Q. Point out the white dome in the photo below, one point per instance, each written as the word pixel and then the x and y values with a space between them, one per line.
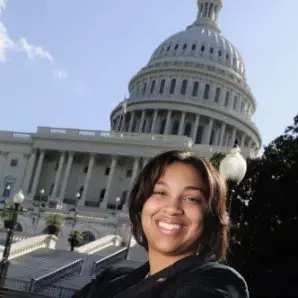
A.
pixel 202 43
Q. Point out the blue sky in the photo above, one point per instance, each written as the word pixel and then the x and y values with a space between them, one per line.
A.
pixel 67 63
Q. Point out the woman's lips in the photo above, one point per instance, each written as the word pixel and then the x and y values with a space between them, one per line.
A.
pixel 167 228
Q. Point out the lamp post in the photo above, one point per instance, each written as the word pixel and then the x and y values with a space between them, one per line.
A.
pixel 233 168
pixel 117 204
pixel 74 211
pixel 38 211
pixel 17 199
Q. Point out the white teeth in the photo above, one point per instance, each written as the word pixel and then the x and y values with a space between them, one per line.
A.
pixel 168 226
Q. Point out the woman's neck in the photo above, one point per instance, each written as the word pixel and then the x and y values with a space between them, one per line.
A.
pixel 158 261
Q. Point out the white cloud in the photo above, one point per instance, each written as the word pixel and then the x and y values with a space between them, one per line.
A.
pixel 2 5
pixel 33 51
pixel 5 42
pixel 60 73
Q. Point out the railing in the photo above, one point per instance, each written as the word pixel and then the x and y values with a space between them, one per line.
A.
pixel 49 291
pixel 106 261
pixel 30 244
pixel 111 135
pixel 95 246
pixel 39 284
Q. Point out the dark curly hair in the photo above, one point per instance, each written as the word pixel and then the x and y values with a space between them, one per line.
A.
pixel 214 240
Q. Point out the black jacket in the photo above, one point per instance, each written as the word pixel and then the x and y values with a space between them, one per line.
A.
pixel 188 278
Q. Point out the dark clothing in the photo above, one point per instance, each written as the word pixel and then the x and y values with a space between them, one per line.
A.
pixel 188 278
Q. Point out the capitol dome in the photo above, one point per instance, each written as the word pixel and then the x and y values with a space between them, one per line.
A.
pixel 194 85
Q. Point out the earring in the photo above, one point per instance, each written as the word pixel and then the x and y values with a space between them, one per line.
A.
pixel 199 250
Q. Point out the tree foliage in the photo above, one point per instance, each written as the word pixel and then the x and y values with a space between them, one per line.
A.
pixel 75 238
pixel 264 244
pixel 54 223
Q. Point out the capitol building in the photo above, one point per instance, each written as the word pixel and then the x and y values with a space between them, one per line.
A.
pixel 192 94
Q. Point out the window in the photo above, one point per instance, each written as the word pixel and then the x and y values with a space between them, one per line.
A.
pixel 184 87
pixel 175 128
pixel 235 103
pixel 195 89
pixel 85 169
pixel 161 50
pixel 162 126
pixel 202 48
pixel 13 162
pixel 187 129
pixel 129 173
pixel 184 46
pixel 217 94
pixel 227 56
pixel 144 89
pixel 211 50
pixel 81 191
pixel 152 87
pixel 176 46
pixel 242 107
pixel 162 86
pixel 107 171
pixel 168 49
pixel 219 53
pixel 227 99
pixel 7 190
pixel 102 193
pixel 173 86
pixel 124 196
pixel 194 47
pixel 206 91
pixel 51 189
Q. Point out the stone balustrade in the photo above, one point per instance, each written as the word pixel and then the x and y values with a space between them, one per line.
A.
pixel 97 245
pixel 30 244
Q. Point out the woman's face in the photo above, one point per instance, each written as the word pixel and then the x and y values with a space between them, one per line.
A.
pixel 173 216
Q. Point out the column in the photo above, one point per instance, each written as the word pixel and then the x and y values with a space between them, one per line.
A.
pixel 217 136
pixel 123 117
pixel 3 167
pixel 87 180
pixel 132 118
pixel 195 128
pixel 142 121
pixel 135 172
pixel 222 134
pixel 118 123
pixel 153 127
pixel 208 132
pixel 250 144
pixel 234 134
pixel 168 122
pixel 66 175
pixel 182 123
pixel 104 204
pixel 242 142
pixel 37 172
pixel 29 172
pixel 58 174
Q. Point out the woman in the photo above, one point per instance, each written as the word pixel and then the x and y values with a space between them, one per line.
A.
pixel 178 214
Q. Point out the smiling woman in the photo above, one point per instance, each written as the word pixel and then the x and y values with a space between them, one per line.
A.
pixel 178 214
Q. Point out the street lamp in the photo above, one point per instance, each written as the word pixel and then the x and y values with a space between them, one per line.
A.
pixel 37 213
pixel 17 199
pixel 117 204
pixel 233 168
pixel 73 212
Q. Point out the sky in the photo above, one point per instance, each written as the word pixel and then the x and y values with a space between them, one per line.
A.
pixel 67 63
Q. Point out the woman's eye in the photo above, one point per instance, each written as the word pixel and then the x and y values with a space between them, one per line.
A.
pixel 193 199
pixel 159 193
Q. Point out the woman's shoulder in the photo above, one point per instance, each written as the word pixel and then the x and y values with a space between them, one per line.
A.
pixel 214 279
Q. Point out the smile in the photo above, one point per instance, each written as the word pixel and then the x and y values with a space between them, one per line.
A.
pixel 169 229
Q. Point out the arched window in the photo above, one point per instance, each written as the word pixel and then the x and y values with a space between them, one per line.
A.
pixel 187 130
pixel 217 94
pixel 242 106
pixel 184 87
pixel 199 135
pixel 173 86
pixel 138 90
pixel 219 53
pixel 162 86
pixel 102 193
pixel 152 87
pixel 175 128
pixel 227 99
pixel 211 50
pixel 235 103
pixel 176 46
pixel 206 91
pixel 184 46
pixel 194 47
pixel 168 48
pixel 144 88
pixel 162 126
pixel 195 89
pixel 202 48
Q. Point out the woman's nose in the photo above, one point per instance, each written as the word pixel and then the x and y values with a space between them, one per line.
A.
pixel 173 206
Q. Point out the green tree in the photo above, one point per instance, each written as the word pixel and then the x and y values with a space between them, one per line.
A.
pixel 75 239
pixel 264 246
pixel 54 223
